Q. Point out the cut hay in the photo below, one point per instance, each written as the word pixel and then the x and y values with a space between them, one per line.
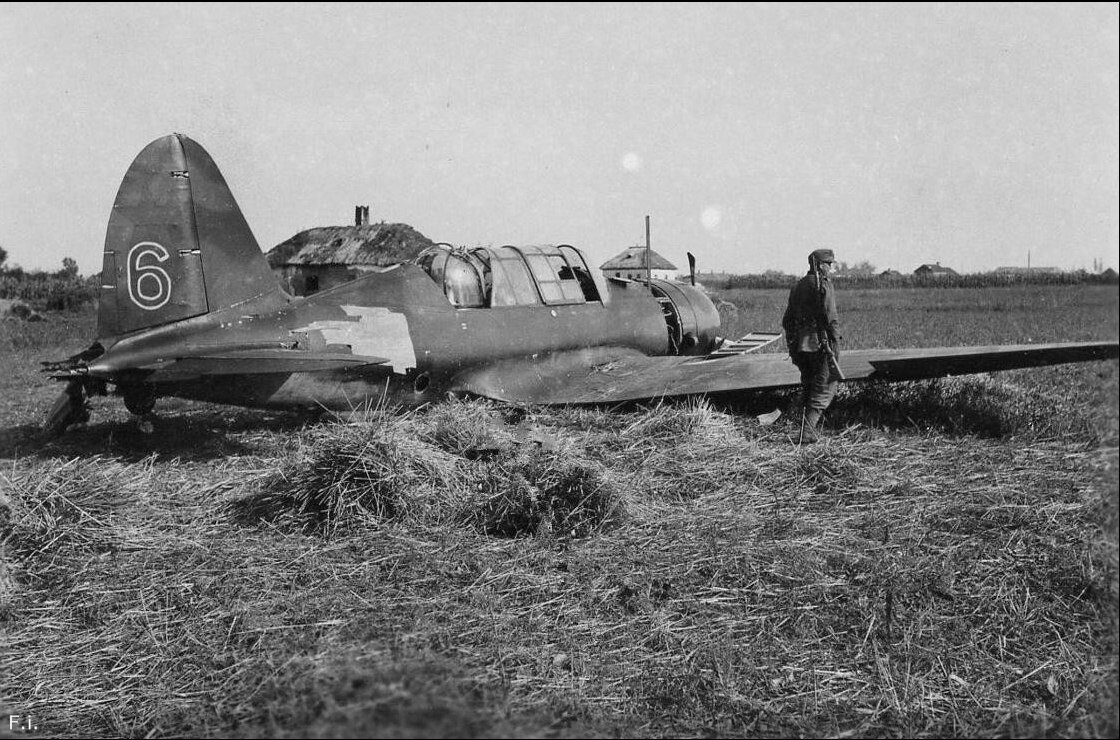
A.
pixel 537 492
pixel 426 469
pixel 54 513
pixel 465 427
pixel 673 420
pixel 349 473
pixel 874 584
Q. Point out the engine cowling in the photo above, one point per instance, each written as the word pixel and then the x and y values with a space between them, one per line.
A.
pixel 691 318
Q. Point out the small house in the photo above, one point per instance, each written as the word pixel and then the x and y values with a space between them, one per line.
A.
pixel 935 270
pixel 320 258
pixel 631 264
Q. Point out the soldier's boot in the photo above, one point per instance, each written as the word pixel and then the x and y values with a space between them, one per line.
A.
pixel 810 433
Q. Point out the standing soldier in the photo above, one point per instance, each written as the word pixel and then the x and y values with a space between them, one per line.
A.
pixel 812 329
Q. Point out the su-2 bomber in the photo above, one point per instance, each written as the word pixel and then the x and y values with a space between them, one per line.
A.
pixel 190 308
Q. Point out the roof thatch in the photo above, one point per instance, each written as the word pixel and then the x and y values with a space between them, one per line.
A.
pixel 935 269
pixel 370 244
pixel 634 258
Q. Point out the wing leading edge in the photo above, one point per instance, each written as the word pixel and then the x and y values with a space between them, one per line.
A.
pixel 606 376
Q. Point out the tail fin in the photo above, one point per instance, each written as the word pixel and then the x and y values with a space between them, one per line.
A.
pixel 177 245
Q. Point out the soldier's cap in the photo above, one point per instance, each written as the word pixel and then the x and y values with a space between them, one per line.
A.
pixel 822 255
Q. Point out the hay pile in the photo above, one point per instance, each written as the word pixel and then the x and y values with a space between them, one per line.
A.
pixel 535 492
pixel 345 473
pixel 458 464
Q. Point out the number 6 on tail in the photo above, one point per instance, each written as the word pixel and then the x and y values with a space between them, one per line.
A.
pixel 149 285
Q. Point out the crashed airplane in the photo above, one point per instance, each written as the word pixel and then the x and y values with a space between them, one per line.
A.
pixel 189 308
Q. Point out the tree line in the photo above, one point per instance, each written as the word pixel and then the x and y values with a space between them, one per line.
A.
pixel 973 280
pixel 44 290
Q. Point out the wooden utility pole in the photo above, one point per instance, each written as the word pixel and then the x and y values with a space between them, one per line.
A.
pixel 649 266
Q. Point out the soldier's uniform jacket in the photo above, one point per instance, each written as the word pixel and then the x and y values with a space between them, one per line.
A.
pixel 810 312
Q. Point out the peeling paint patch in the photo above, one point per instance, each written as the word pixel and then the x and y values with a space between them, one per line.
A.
pixel 376 332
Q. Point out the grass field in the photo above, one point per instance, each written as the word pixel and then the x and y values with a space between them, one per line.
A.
pixel 950 317
pixel 943 565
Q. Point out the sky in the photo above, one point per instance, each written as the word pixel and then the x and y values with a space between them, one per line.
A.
pixel 897 134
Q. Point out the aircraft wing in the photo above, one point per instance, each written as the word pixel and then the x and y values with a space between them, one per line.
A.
pixel 606 376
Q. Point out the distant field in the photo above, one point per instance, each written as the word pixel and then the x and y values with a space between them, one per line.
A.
pixel 917 317
pixel 943 565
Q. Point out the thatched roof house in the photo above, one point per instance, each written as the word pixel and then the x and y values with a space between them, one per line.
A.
pixel 375 245
pixel 935 270
pixel 631 264
pixel 320 258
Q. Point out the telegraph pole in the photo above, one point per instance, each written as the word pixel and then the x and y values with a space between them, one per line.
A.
pixel 649 268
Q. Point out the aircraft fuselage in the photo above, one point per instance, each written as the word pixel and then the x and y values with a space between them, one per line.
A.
pixel 400 315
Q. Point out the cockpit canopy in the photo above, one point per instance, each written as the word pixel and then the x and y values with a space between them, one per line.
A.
pixel 510 276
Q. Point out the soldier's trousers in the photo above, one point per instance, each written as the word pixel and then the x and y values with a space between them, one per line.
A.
pixel 818 385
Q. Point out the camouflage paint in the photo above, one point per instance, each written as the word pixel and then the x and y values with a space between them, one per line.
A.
pixel 190 308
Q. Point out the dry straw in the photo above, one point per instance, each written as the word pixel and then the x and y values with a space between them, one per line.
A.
pixel 668 571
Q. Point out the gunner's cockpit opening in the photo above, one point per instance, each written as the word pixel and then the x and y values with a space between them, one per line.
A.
pixel 463 274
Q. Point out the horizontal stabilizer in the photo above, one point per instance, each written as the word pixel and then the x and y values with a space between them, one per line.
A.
pixel 214 361
pixel 256 362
